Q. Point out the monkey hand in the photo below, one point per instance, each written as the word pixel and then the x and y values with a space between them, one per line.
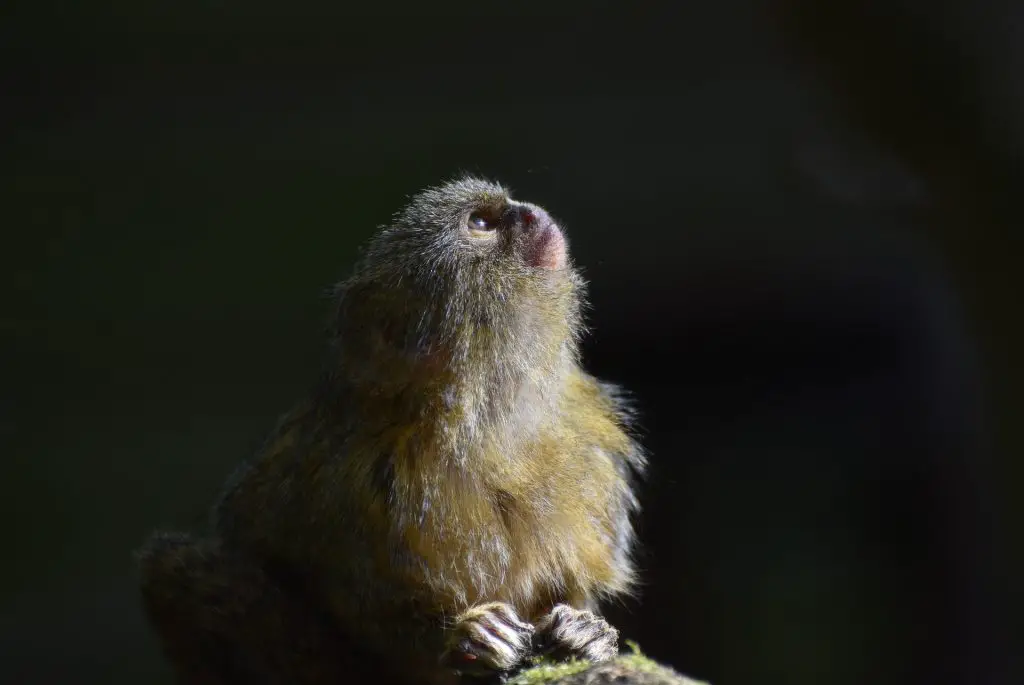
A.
pixel 567 632
pixel 488 639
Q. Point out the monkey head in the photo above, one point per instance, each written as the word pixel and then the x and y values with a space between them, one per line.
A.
pixel 464 277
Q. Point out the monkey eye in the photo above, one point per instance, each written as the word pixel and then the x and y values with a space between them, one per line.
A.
pixel 483 221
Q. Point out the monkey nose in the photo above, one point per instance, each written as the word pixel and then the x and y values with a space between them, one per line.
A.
pixel 530 217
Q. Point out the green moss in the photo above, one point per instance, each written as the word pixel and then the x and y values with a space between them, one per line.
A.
pixel 545 671
pixel 637 661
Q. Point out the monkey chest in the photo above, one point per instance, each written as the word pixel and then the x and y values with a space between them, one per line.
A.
pixel 531 549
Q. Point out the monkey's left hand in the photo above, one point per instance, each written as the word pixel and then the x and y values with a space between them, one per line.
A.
pixel 567 632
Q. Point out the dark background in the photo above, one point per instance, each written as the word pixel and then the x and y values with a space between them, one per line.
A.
pixel 801 222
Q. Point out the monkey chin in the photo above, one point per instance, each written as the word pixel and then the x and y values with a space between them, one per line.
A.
pixel 547 248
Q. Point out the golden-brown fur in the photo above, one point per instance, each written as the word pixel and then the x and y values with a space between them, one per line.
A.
pixel 454 453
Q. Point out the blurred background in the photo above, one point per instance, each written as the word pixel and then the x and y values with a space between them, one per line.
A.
pixel 802 226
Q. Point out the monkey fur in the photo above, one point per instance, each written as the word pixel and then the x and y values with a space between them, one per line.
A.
pixel 453 496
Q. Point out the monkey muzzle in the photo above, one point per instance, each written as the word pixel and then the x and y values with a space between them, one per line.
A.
pixel 545 245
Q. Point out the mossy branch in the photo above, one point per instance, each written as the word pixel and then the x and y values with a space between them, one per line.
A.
pixel 626 669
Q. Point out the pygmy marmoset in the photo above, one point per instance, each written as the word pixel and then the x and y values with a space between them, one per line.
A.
pixel 453 496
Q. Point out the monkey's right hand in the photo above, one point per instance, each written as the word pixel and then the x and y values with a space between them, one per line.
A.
pixel 488 639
